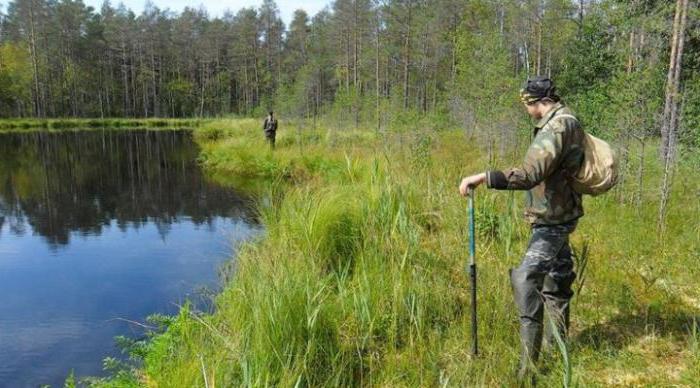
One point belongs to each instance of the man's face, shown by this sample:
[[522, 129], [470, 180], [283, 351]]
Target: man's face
[[534, 110]]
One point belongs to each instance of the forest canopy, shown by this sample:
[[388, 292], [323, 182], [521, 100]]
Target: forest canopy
[[363, 59]]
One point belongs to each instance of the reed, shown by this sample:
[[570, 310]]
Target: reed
[[359, 279]]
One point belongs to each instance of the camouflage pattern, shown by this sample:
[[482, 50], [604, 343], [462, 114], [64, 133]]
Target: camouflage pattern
[[548, 256], [555, 155], [544, 278], [270, 128], [527, 98]]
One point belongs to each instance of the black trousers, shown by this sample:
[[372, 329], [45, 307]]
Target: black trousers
[[270, 136], [546, 272], [543, 279]]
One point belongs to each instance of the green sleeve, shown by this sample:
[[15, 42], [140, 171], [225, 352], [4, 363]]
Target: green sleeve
[[541, 160]]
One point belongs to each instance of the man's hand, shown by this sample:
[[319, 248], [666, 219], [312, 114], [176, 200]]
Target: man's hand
[[471, 182]]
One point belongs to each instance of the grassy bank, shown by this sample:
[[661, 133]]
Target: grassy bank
[[110, 123], [360, 277]]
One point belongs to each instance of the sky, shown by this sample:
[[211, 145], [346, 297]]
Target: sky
[[218, 7]]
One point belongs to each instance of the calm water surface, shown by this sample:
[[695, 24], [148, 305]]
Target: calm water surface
[[99, 227]]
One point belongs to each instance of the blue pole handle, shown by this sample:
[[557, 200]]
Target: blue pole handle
[[472, 272], [472, 237]]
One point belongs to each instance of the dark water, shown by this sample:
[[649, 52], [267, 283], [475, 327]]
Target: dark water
[[98, 227]]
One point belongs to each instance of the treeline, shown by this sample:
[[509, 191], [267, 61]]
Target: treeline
[[363, 59]]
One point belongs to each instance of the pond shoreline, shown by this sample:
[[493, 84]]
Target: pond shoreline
[[111, 224], [99, 123]]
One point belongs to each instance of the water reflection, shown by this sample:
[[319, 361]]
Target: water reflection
[[98, 225], [62, 182]]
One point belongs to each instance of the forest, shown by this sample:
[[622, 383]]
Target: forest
[[367, 57]]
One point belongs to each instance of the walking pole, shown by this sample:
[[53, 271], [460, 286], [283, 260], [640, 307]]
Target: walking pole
[[472, 269]]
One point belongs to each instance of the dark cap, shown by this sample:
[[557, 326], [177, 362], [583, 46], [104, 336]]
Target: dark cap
[[538, 88]]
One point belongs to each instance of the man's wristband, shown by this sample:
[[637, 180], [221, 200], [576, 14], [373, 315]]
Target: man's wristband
[[496, 180]]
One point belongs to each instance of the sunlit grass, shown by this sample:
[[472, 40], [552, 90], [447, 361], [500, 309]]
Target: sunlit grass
[[360, 276]]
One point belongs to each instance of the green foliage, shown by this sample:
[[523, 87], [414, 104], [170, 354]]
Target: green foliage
[[121, 375], [70, 380], [635, 102], [690, 126], [590, 63], [484, 77], [182, 105], [587, 72], [15, 80]]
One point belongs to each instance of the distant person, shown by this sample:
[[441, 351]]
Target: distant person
[[553, 208], [270, 128]]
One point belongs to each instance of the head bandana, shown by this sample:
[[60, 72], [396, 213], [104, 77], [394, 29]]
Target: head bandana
[[538, 88]]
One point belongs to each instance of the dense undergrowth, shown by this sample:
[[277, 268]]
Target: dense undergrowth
[[360, 277]]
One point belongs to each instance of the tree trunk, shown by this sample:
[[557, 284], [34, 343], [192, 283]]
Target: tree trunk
[[630, 55], [38, 110], [154, 87], [580, 15], [125, 79], [347, 60], [640, 172], [527, 59], [203, 81], [246, 98], [144, 84], [355, 46], [670, 82], [538, 68], [671, 122], [379, 119], [407, 57]]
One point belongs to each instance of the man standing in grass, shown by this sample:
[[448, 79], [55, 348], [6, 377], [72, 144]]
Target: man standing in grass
[[553, 207], [270, 128]]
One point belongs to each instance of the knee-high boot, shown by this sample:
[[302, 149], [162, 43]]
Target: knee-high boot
[[526, 287], [557, 295]]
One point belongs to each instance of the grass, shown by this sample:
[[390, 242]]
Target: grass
[[360, 277]]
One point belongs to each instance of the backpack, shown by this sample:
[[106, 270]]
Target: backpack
[[270, 125], [599, 169]]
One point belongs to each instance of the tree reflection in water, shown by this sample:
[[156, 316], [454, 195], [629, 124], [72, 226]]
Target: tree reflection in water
[[58, 183]]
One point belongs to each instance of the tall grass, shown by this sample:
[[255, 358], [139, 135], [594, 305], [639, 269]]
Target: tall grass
[[359, 278]]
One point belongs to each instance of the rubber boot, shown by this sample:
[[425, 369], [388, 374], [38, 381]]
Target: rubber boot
[[530, 341], [526, 286], [557, 295], [560, 316]]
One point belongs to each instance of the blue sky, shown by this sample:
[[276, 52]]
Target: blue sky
[[217, 8]]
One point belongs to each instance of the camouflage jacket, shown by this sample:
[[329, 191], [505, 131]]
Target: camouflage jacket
[[270, 125], [556, 154]]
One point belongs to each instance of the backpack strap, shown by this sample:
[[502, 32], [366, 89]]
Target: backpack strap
[[564, 115]]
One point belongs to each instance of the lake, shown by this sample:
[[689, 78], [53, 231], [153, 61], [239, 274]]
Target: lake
[[99, 228]]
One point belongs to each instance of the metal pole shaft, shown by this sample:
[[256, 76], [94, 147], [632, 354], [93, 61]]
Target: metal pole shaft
[[472, 272]]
